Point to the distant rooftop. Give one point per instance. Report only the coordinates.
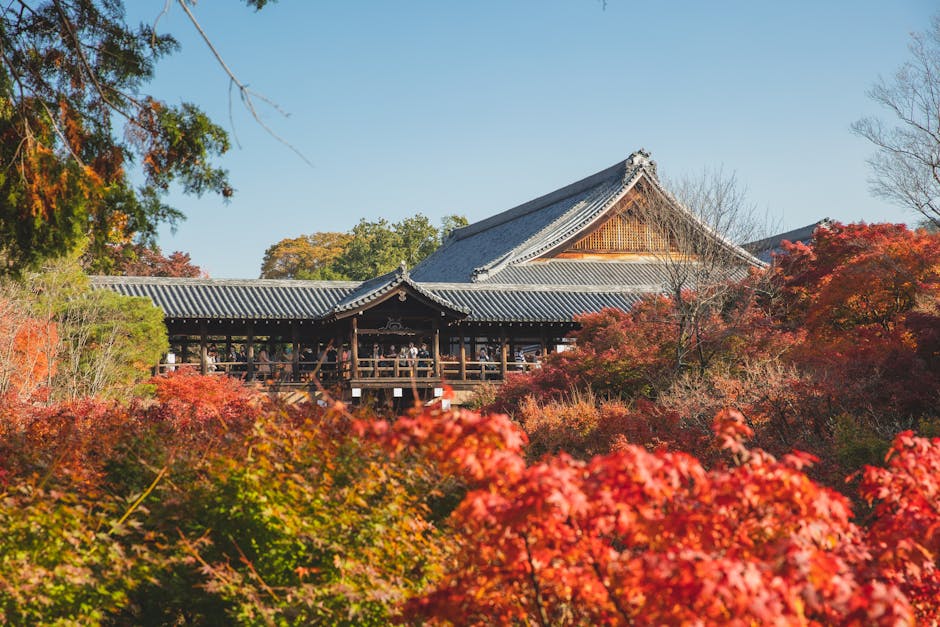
(765, 249)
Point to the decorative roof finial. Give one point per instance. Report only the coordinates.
(641, 159)
(403, 268)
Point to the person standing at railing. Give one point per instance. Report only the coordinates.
(307, 360)
(264, 364)
(287, 365)
(345, 358)
(402, 360)
(329, 366)
(483, 356)
(236, 360)
(423, 358)
(390, 356)
(376, 355)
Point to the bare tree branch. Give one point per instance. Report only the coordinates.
(906, 166)
(247, 95)
(701, 220)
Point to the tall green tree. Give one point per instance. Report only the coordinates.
(105, 344)
(75, 118)
(368, 250)
(378, 247)
(304, 257)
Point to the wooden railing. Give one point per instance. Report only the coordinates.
(483, 370)
(376, 368)
(397, 368)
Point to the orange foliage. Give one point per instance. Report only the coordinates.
(636, 537)
(28, 359)
(583, 427)
(866, 296)
(194, 403)
(905, 531)
(33, 346)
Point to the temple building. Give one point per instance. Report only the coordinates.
(495, 297)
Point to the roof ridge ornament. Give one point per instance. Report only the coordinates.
(639, 159)
(403, 269)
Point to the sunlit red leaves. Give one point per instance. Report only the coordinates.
(904, 533)
(617, 352)
(201, 404)
(631, 537)
(857, 274)
(145, 261)
(639, 537)
(67, 443)
(866, 297)
(466, 444)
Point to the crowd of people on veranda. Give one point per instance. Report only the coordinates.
(276, 361)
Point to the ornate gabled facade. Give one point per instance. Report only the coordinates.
(493, 297)
(592, 232)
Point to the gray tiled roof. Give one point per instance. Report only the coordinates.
(318, 300)
(501, 243)
(228, 298)
(766, 248)
(503, 237)
(374, 289)
(487, 269)
(533, 303)
(577, 272)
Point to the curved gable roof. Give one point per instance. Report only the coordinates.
(378, 289)
(480, 251)
(485, 246)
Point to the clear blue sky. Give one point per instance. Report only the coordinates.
(474, 107)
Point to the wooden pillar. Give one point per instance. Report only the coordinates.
(295, 351)
(250, 353)
(463, 357)
(203, 349)
(502, 352)
(436, 354)
(354, 347)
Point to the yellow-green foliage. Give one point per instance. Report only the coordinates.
(63, 559)
(231, 511)
(106, 344)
